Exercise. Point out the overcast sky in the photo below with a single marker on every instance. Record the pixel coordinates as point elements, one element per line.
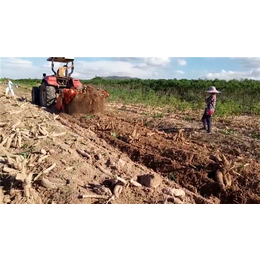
<point>151,67</point>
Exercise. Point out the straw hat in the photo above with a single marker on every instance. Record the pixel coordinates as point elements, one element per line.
<point>212,90</point>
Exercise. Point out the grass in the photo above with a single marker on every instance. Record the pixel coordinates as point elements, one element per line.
<point>256,136</point>
<point>88,116</point>
<point>227,132</point>
<point>158,115</point>
<point>171,176</point>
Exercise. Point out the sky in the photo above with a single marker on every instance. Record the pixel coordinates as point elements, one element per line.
<point>141,67</point>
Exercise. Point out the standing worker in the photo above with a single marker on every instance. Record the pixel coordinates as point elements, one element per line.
<point>9,88</point>
<point>210,108</point>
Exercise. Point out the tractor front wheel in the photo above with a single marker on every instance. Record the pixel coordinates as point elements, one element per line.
<point>47,95</point>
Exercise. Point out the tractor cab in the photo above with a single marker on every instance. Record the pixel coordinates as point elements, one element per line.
<point>63,74</point>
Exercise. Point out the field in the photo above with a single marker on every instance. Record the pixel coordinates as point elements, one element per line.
<point>149,152</point>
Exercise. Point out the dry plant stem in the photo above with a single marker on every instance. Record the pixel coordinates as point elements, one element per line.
<point>41,137</point>
<point>43,158</point>
<point>48,184</point>
<point>19,140</point>
<point>27,185</point>
<point>83,153</point>
<point>58,134</point>
<point>45,171</point>
<point>15,125</point>
<point>10,160</point>
<point>43,151</point>
<point>117,190</point>
<point>95,196</point>
<point>135,183</point>
<point>2,160</point>
<point>1,195</point>
<point>9,170</point>
<point>9,141</point>
<point>15,140</point>
<point>16,112</point>
<point>110,174</point>
<point>42,131</point>
<point>4,141</point>
<point>50,168</point>
<point>121,179</point>
<point>33,158</point>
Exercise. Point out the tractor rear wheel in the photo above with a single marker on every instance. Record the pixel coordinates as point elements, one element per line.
<point>47,95</point>
<point>36,96</point>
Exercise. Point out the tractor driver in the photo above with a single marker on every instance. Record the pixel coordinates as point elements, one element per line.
<point>63,71</point>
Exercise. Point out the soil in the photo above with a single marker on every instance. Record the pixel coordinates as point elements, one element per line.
<point>128,141</point>
<point>91,101</point>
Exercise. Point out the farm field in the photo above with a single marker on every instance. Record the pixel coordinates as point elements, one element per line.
<point>130,154</point>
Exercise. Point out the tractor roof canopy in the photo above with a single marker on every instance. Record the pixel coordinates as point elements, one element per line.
<point>60,59</point>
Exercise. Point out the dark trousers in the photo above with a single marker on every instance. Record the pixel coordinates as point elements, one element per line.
<point>206,120</point>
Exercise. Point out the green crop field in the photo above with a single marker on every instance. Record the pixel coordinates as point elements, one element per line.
<point>238,97</point>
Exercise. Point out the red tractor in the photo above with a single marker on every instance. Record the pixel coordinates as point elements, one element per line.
<point>59,88</point>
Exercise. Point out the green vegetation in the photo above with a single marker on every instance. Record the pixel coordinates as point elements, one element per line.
<point>238,96</point>
<point>26,83</point>
<point>257,136</point>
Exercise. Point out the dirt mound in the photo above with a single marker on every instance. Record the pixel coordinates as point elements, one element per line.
<point>88,101</point>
